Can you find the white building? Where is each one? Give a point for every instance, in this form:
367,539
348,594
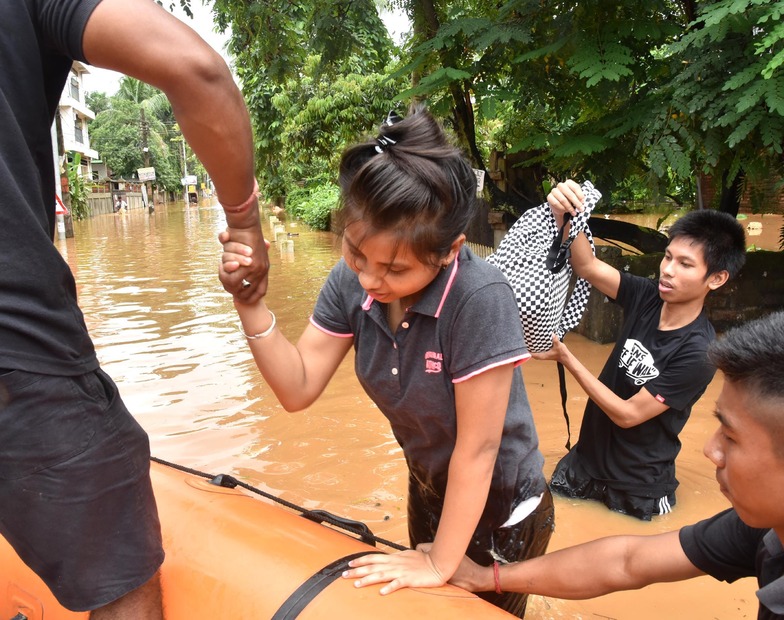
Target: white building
74,115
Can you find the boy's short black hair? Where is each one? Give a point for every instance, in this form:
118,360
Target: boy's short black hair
752,357
753,354
721,236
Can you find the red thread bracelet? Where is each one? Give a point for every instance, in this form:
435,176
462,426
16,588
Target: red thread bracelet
497,578
234,210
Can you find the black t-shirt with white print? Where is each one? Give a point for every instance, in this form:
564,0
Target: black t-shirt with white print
673,367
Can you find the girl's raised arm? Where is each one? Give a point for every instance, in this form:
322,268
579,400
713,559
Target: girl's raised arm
297,373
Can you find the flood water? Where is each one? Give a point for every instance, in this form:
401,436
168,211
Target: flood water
167,333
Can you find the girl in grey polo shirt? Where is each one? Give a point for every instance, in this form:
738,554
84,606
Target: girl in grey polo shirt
437,344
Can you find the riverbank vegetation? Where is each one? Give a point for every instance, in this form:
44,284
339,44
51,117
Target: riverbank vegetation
651,100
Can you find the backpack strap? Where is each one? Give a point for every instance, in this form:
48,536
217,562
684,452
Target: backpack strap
558,253
573,312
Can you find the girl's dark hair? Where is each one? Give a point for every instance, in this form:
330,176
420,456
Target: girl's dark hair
410,181
721,236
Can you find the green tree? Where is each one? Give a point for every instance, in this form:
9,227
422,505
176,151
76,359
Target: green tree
728,97
97,102
78,187
115,134
315,85
531,77
659,91
454,58
139,117
643,97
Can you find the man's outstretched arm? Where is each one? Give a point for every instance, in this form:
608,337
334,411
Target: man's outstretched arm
587,570
140,39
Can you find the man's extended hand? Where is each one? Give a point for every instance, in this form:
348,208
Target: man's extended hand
557,353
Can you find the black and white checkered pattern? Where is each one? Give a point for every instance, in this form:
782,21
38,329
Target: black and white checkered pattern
542,295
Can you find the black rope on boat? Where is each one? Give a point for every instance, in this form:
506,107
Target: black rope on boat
357,528
296,603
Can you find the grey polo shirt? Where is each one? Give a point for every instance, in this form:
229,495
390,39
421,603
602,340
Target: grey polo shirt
465,322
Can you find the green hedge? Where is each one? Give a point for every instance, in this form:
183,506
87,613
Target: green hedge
313,205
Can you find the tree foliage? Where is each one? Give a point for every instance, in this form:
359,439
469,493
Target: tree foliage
659,91
78,187
97,102
636,95
139,116
319,83
729,94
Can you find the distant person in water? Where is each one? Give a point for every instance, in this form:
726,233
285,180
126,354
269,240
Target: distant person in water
625,455
437,344
743,541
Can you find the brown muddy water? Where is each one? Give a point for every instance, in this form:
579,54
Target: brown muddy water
167,333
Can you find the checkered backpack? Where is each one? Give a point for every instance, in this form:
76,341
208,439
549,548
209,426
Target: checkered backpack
534,260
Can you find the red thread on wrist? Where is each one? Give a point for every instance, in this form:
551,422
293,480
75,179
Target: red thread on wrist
234,210
497,578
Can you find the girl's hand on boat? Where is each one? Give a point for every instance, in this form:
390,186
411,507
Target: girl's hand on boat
407,569
468,574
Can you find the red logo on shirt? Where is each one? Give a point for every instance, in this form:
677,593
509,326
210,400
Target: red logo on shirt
433,362
659,397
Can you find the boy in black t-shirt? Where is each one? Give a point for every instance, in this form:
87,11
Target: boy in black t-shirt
625,455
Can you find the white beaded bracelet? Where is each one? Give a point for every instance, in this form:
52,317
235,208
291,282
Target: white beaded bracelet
263,334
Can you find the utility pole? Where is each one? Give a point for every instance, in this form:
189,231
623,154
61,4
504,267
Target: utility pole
184,172
146,154
181,138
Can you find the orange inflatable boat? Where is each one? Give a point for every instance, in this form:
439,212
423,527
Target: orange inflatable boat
230,555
